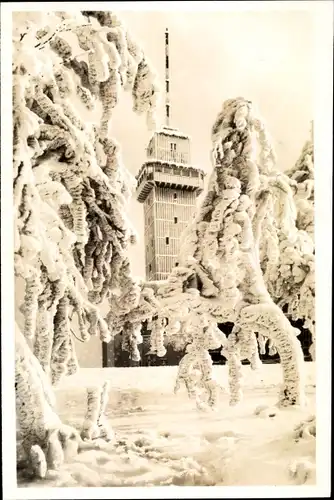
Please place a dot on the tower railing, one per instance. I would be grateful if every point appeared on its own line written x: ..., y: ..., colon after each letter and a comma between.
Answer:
x: 169, y: 156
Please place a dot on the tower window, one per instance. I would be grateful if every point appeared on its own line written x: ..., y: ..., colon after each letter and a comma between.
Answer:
x: 150, y: 267
x: 167, y: 62
x: 167, y: 86
x: 176, y: 264
x: 175, y: 220
x: 167, y: 110
x: 175, y: 196
x: 173, y: 146
x: 166, y: 38
x: 167, y: 240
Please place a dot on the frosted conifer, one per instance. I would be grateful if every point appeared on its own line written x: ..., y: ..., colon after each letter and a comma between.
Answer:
x: 287, y: 249
x: 70, y: 195
x: 219, y: 277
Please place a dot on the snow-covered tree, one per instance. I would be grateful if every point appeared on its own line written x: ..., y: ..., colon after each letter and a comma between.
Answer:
x: 302, y: 177
x: 219, y: 277
x: 287, y: 248
x: 70, y: 196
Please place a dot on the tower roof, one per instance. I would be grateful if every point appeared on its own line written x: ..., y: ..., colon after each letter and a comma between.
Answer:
x: 174, y: 132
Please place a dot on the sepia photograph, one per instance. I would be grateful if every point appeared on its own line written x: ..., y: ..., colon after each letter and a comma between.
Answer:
x: 166, y: 176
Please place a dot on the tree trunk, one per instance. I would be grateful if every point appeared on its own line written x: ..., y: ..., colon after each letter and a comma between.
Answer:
x: 39, y: 424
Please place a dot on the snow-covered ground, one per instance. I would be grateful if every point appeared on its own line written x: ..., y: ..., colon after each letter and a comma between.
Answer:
x: 161, y: 439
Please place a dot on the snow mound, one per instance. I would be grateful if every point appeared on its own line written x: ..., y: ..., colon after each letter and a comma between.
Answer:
x: 266, y: 411
x: 302, y: 471
x: 306, y: 429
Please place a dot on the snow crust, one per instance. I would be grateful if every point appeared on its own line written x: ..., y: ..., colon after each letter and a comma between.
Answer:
x: 161, y: 440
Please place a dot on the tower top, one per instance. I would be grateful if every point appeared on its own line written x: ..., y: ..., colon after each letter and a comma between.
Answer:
x: 167, y: 78
x: 168, y: 163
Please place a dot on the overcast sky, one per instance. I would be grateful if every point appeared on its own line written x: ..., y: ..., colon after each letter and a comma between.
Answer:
x: 266, y: 57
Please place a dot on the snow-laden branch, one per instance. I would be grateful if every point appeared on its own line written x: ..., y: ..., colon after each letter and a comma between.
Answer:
x: 70, y: 186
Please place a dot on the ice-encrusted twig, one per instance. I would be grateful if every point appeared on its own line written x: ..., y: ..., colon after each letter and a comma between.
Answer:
x: 95, y: 424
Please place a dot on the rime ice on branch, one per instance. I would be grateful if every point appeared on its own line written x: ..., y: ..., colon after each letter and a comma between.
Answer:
x: 70, y: 192
x: 219, y: 277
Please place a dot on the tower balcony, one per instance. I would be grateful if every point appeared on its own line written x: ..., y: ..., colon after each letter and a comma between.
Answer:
x: 144, y: 189
x: 169, y: 175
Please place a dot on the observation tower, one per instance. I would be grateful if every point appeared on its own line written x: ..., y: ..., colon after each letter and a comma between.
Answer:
x: 167, y: 185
